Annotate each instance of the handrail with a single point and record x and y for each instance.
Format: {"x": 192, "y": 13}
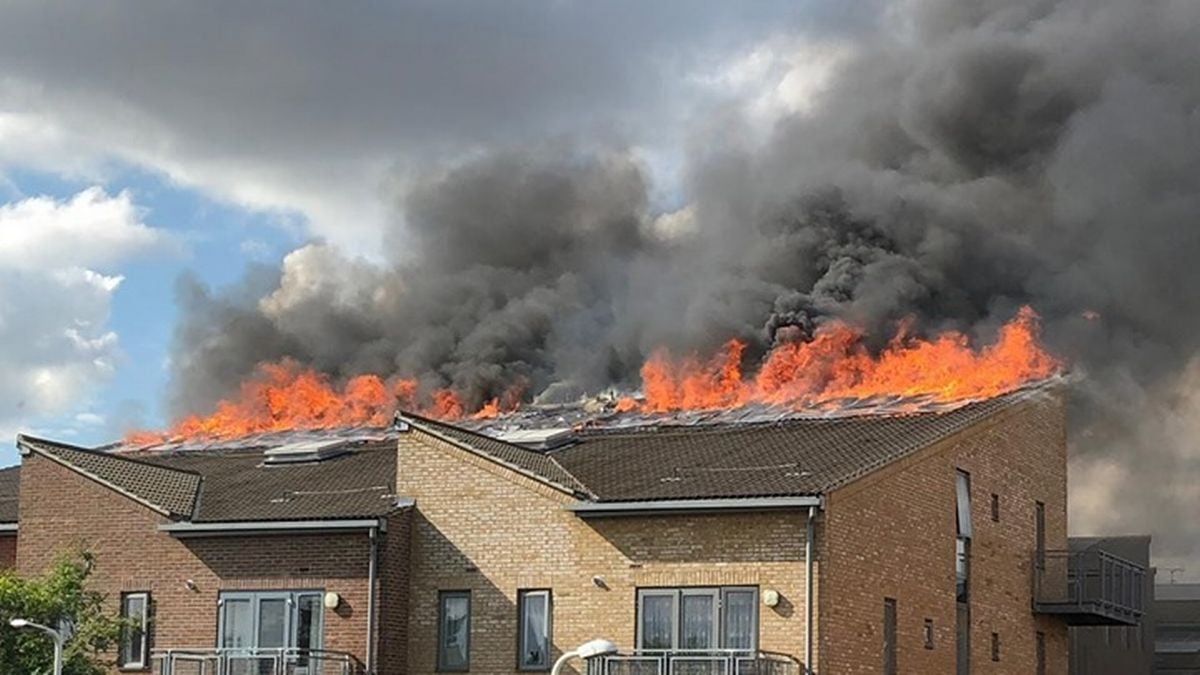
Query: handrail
{"x": 282, "y": 660}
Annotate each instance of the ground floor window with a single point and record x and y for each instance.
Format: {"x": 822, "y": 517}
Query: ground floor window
{"x": 270, "y": 620}
{"x": 698, "y": 618}
{"x": 454, "y": 630}
{"x": 135, "y": 612}
{"x": 534, "y": 617}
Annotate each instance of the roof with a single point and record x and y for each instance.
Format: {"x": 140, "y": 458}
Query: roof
{"x": 224, "y": 485}
{"x": 10, "y": 492}
{"x": 540, "y": 465}
{"x": 784, "y": 457}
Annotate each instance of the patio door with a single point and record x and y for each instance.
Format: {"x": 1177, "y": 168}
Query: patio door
{"x": 261, "y": 631}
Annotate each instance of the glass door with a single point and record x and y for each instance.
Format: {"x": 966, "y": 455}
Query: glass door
{"x": 258, "y": 629}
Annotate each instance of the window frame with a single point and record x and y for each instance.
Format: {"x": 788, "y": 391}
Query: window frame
{"x": 677, "y": 593}
{"x": 891, "y": 647}
{"x": 255, "y": 598}
{"x": 441, "y": 617}
{"x": 144, "y": 662}
{"x": 523, "y": 595}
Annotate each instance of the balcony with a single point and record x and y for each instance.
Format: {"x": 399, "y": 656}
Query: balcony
{"x": 695, "y": 662}
{"x": 1088, "y": 588}
{"x": 204, "y": 661}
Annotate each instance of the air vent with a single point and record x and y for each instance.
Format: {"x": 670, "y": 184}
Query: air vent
{"x": 538, "y": 439}
{"x": 305, "y": 451}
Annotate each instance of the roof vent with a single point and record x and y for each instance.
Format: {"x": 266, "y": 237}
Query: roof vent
{"x": 537, "y": 439}
{"x": 305, "y": 451}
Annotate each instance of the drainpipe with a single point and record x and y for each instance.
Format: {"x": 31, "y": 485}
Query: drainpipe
{"x": 808, "y": 591}
{"x": 371, "y": 584}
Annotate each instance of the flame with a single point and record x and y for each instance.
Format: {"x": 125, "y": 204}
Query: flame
{"x": 836, "y": 364}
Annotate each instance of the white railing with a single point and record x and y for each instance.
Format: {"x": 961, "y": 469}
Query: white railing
{"x": 695, "y": 662}
{"x": 204, "y": 661}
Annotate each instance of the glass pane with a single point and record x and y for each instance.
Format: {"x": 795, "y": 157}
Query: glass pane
{"x": 237, "y": 624}
{"x": 963, "y": 490}
{"x": 134, "y": 609}
{"x": 658, "y": 618}
{"x": 534, "y": 638}
{"x": 697, "y": 627}
{"x": 272, "y": 623}
{"x": 308, "y": 625}
{"x": 739, "y": 619}
{"x": 456, "y": 628}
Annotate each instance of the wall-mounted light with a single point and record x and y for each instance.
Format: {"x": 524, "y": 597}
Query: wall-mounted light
{"x": 332, "y": 600}
{"x": 600, "y": 582}
{"x": 191, "y": 585}
{"x": 770, "y": 597}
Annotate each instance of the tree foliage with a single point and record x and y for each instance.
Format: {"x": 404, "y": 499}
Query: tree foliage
{"x": 59, "y": 598}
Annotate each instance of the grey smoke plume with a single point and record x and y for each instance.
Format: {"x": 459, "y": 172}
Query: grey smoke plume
{"x": 969, "y": 158}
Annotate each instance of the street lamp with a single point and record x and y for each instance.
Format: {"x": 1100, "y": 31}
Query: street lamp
{"x": 55, "y": 635}
{"x": 585, "y": 651}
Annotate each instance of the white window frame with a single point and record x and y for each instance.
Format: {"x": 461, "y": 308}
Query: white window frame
{"x": 143, "y": 657}
{"x": 677, "y": 594}
{"x": 547, "y": 599}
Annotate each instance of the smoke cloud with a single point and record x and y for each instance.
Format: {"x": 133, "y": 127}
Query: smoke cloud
{"x": 964, "y": 159}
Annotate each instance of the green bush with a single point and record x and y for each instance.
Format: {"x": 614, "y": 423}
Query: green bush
{"x": 59, "y": 598}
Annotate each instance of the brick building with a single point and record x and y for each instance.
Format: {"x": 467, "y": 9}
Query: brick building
{"x": 929, "y": 542}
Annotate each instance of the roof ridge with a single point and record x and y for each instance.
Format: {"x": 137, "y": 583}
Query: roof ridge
{"x": 27, "y": 439}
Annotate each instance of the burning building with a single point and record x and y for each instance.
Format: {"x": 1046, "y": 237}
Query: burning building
{"x": 921, "y": 537}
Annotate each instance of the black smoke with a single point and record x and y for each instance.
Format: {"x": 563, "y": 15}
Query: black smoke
{"x": 967, "y": 158}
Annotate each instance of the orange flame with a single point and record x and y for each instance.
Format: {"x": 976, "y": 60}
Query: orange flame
{"x": 836, "y": 364}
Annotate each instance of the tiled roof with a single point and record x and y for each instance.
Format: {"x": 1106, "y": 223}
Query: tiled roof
{"x": 540, "y": 464}
{"x": 167, "y": 489}
{"x": 10, "y": 489}
{"x": 785, "y": 458}
{"x": 235, "y": 485}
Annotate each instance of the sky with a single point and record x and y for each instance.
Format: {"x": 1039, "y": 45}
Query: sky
{"x": 145, "y": 146}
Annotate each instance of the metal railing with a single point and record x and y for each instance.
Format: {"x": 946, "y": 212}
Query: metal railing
{"x": 251, "y": 662}
{"x": 694, "y": 662}
{"x": 1088, "y": 580}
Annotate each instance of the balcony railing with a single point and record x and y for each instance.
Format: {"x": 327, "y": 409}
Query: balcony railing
{"x": 1088, "y": 587}
{"x": 251, "y": 662}
{"x": 695, "y": 662}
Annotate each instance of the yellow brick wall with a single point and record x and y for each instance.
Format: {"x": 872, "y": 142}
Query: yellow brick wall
{"x": 482, "y": 527}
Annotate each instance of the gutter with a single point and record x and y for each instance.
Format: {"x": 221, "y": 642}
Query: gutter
{"x": 689, "y": 506}
{"x": 810, "y": 532}
{"x": 239, "y": 528}
{"x": 372, "y": 572}
{"x": 8, "y": 527}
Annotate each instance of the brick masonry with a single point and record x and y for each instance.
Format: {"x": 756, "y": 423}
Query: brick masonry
{"x": 62, "y": 512}
{"x": 892, "y": 534}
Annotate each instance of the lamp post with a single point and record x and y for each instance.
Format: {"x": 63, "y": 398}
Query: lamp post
{"x": 55, "y": 635}
{"x": 585, "y": 651}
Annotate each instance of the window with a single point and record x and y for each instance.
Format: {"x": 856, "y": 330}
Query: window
{"x": 1041, "y": 653}
{"x": 995, "y": 508}
{"x": 962, "y": 550}
{"x": 698, "y": 618}
{"x": 928, "y": 633}
{"x": 454, "y": 630}
{"x": 135, "y": 609}
{"x": 995, "y": 646}
{"x": 889, "y": 636}
{"x": 270, "y": 620}
{"x": 533, "y": 609}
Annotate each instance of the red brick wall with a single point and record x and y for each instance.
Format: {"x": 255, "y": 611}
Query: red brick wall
{"x": 393, "y": 577}
{"x": 8, "y": 551}
{"x": 62, "y": 511}
{"x": 892, "y": 534}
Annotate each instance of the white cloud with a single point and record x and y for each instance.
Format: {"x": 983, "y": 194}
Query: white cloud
{"x": 56, "y": 288}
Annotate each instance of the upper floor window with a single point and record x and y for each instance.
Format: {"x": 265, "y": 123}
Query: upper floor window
{"x": 135, "y": 611}
{"x": 698, "y": 618}
{"x": 454, "y": 630}
{"x": 962, "y": 548}
{"x": 533, "y": 608}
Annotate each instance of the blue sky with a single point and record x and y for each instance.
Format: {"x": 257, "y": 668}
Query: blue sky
{"x": 214, "y": 241}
